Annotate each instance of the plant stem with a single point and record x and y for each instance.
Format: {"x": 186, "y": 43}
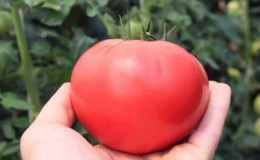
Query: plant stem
{"x": 247, "y": 41}
{"x": 141, "y": 5}
{"x": 26, "y": 66}
{"x": 248, "y": 71}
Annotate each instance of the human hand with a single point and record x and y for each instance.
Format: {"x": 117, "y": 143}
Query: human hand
{"x": 51, "y": 138}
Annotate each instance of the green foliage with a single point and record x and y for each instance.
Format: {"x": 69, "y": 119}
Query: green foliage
{"x": 223, "y": 35}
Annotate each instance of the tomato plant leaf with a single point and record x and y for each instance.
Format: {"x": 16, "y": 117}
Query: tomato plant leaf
{"x": 179, "y": 19}
{"x": 112, "y": 28}
{"x": 7, "y": 56}
{"x": 226, "y": 27}
{"x": 91, "y": 12}
{"x": 2, "y": 146}
{"x": 81, "y": 43}
{"x": 198, "y": 8}
{"x": 8, "y": 130}
{"x": 11, "y": 148}
{"x": 20, "y": 122}
{"x": 34, "y": 2}
{"x": 41, "y": 48}
{"x": 56, "y": 17}
{"x": 11, "y": 100}
{"x": 18, "y": 3}
{"x": 102, "y": 3}
{"x": 52, "y": 4}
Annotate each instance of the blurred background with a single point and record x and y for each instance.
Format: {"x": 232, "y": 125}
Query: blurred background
{"x": 40, "y": 41}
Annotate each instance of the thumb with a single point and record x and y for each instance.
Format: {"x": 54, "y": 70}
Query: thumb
{"x": 58, "y": 109}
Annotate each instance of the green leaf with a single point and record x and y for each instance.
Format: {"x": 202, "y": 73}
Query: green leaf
{"x": 250, "y": 141}
{"x": 79, "y": 128}
{"x": 111, "y": 26}
{"x": 8, "y": 130}
{"x": 11, "y": 148}
{"x": 198, "y": 9}
{"x": 226, "y": 27}
{"x": 81, "y": 43}
{"x": 102, "y": 3}
{"x": 48, "y": 33}
{"x": 11, "y": 100}
{"x": 52, "y": 4}
{"x": 2, "y": 146}
{"x": 91, "y": 12}
{"x": 56, "y": 17}
{"x": 53, "y": 18}
{"x": 6, "y": 70}
{"x": 36, "y": 2}
{"x": 8, "y": 56}
{"x": 41, "y": 48}
{"x": 21, "y": 122}
{"x": 6, "y": 47}
{"x": 212, "y": 63}
{"x": 18, "y": 3}
{"x": 182, "y": 20}
{"x": 29, "y": 2}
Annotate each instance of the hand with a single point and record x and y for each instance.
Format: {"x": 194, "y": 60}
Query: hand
{"x": 51, "y": 138}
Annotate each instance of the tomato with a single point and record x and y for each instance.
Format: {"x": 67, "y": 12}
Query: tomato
{"x": 5, "y": 21}
{"x": 233, "y": 73}
{"x": 233, "y": 8}
{"x": 255, "y": 48}
{"x": 138, "y": 96}
{"x": 256, "y": 104}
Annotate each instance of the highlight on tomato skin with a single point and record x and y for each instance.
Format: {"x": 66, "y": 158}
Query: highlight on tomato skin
{"x": 138, "y": 96}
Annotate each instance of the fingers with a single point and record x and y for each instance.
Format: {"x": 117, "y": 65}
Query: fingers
{"x": 58, "y": 109}
{"x": 208, "y": 133}
{"x": 50, "y": 136}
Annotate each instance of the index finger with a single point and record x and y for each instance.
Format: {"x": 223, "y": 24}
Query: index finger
{"x": 208, "y": 133}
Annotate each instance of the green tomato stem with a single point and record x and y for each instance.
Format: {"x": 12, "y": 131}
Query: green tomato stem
{"x": 26, "y": 66}
{"x": 248, "y": 71}
{"x": 129, "y": 32}
{"x": 125, "y": 37}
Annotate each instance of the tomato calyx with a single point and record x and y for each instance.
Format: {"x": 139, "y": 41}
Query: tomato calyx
{"x": 145, "y": 33}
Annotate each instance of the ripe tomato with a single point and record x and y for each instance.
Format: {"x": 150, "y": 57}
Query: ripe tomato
{"x": 138, "y": 96}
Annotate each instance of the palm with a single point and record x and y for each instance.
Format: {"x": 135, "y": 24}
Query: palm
{"x": 83, "y": 150}
{"x": 50, "y": 136}
{"x": 183, "y": 151}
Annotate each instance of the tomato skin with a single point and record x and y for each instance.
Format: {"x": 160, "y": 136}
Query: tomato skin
{"x": 138, "y": 96}
{"x": 256, "y": 105}
{"x": 5, "y": 21}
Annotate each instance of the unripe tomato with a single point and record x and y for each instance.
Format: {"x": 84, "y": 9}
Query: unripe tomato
{"x": 257, "y": 127}
{"x": 5, "y": 21}
{"x": 138, "y": 96}
{"x": 256, "y": 104}
{"x": 255, "y": 48}
{"x": 233, "y": 72}
{"x": 233, "y": 8}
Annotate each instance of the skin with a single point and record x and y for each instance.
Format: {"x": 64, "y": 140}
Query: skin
{"x": 50, "y": 136}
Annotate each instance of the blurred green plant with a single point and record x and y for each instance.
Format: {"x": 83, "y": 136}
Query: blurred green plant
{"x": 38, "y": 51}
